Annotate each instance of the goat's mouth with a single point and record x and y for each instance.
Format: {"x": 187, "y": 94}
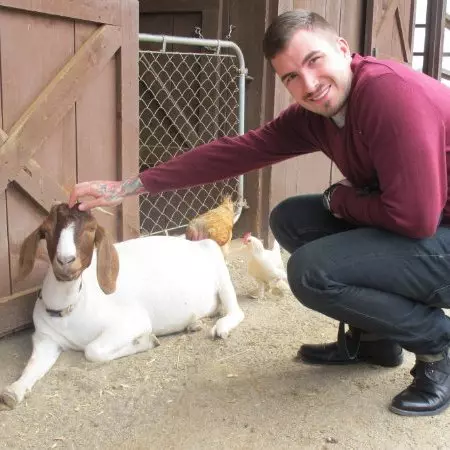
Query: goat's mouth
{"x": 67, "y": 276}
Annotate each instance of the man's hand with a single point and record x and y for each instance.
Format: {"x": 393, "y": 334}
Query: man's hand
{"x": 105, "y": 193}
{"x": 327, "y": 195}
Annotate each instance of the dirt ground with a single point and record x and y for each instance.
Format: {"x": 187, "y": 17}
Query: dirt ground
{"x": 195, "y": 393}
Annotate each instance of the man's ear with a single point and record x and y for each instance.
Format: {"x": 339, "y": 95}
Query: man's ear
{"x": 344, "y": 47}
{"x": 107, "y": 261}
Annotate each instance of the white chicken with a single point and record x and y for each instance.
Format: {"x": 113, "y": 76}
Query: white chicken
{"x": 265, "y": 266}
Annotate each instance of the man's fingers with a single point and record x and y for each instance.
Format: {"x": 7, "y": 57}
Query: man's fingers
{"x": 80, "y": 190}
{"x": 84, "y": 206}
{"x": 101, "y": 201}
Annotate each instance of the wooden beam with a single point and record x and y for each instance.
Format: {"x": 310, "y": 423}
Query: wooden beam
{"x": 16, "y": 311}
{"x": 152, "y": 6}
{"x": 387, "y": 12}
{"x": 100, "y": 11}
{"x": 128, "y": 116}
{"x": 37, "y": 184}
{"x": 434, "y": 38}
{"x": 40, "y": 119}
{"x": 406, "y": 51}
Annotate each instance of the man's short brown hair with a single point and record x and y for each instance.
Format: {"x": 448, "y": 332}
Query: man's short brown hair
{"x": 282, "y": 29}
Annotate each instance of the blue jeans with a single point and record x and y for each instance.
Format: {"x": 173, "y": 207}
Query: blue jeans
{"x": 372, "y": 279}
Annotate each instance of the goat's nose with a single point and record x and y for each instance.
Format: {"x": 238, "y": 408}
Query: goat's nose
{"x": 63, "y": 260}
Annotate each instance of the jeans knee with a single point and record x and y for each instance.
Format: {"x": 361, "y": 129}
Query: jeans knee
{"x": 307, "y": 280}
{"x": 276, "y": 220}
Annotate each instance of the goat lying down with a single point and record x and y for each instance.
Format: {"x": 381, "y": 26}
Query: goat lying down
{"x": 164, "y": 285}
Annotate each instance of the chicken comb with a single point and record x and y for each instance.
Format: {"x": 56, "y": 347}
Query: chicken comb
{"x": 246, "y": 237}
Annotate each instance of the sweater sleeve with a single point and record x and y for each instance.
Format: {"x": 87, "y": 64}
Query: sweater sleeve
{"x": 405, "y": 136}
{"x": 284, "y": 137}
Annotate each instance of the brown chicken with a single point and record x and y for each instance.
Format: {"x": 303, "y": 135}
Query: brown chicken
{"x": 216, "y": 224}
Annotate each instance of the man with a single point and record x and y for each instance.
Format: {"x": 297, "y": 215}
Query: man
{"x": 373, "y": 251}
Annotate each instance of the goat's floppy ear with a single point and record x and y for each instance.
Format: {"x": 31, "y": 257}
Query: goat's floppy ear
{"x": 28, "y": 252}
{"x": 107, "y": 261}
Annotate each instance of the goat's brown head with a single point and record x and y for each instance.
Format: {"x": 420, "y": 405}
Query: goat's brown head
{"x": 71, "y": 236}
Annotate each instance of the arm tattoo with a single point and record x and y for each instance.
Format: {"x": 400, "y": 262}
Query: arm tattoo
{"x": 113, "y": 191}
{"x": 132, "y": 186}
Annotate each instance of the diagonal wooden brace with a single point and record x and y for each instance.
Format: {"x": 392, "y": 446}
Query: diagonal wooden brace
{"x": 46, "y": 112}
{"x": 36, "y": 183}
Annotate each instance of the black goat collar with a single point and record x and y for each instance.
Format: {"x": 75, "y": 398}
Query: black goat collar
{"x": 59, "y": 312}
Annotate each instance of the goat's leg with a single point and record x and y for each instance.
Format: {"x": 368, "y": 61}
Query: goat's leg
{"x": 195, "y": 325}
{"x": 258, "y": 292}
{"x": 44, "y": 355}
{"x": 113, "y": 344}
{"x": 233, "y": 313}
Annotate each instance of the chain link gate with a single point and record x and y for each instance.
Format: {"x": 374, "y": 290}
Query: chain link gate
{"x": 187, "y": 99}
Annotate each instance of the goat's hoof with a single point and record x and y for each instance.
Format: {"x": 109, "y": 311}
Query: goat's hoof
{"x": 218, "y": 331}
{"x": 8, "y": 400}
{"x": 195, "y": 326}
{"x": 155, "y": 341}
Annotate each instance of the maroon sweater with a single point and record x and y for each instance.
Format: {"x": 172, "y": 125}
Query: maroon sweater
{"x": 396, "y": 137}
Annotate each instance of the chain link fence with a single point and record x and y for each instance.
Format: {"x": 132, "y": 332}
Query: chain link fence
{"x": 187, "y": 98}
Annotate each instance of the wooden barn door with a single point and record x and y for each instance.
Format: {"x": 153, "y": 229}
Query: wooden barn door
{"x": 68, "y": 110}
{"x": 389, "y": 29}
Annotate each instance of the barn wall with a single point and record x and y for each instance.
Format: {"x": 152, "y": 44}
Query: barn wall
{"x": 69, "y": 113}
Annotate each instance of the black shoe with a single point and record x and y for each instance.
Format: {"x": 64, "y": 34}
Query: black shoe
{"x": 429, "y": 393}
{"x": 350, "y": 348}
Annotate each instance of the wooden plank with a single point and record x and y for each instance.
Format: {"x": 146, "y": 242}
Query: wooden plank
{"x": 5, "y": 275}
{"x": 16, "y": 311}
{"x": 434, "y": 38}
{"x": 97, "y": 135}
{"x": 43, "y": 189}
{"x": 128, "y": 115}
{"x": 24, "y": 46}
{"x": 146, "y": 6}
{"x": 23, "y": 219}
{"x": 35, "y": 125}
{"x": 5, "y": 279}
{"x": 406, "y": 50}
{"x": 386, "y": 13}
{"x": 351, "y": 18}
{"x": 25, "y": 40}
{"x": 101, "y": 11}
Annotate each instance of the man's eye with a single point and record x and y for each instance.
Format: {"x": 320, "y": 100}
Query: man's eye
{"x": 314, "y": 60}
{"x": 290, "y": 77}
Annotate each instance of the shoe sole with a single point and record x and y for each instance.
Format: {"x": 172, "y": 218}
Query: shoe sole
{"x": 403, "y": 412}
{"x": 349, "y": 362}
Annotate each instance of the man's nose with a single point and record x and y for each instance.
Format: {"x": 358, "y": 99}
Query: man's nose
{"x": 310, "y": 83}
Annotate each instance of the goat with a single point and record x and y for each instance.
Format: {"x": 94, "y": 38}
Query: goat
{"x": 164, "y": 285}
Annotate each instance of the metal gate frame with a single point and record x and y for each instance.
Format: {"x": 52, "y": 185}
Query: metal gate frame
{"x": 218, "y": 45}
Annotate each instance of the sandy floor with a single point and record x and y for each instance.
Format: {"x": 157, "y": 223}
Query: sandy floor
{"x": 194, "y": 393}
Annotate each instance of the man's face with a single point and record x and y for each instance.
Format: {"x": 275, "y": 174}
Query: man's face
{"x": 315, "y": 68}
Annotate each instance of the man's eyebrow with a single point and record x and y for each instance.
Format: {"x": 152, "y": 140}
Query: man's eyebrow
{"x": 305, "y": 60}
{"x": 310, "y": 55}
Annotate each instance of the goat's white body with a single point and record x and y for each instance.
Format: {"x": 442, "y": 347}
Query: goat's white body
{"x": 165, "y": 284}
